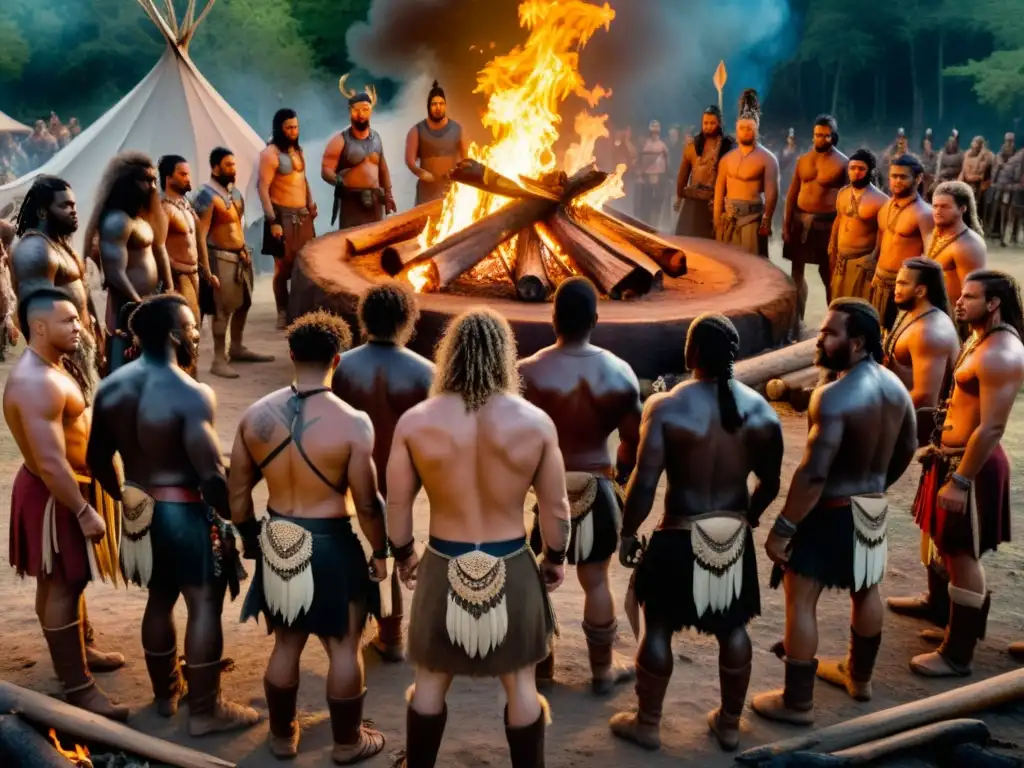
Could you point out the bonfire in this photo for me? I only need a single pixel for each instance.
(512, 215)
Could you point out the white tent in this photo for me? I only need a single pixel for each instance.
(174, 110)
(9, 125)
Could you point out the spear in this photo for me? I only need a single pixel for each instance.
(720, 77)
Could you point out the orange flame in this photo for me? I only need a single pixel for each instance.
(525, 88)
(79, 756)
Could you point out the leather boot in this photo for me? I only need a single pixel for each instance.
(97, 660)
(526, 744)
(388, 642)
(953, 658)
(423, 734)
(67, 651)
(220, 366)
(932, 606)
(854, 672)
(724, 722)
(545, 672)
(239, 353)
(283, 738)
(208, 712)
(166, 679)
(607, 670)
(795, 702)
(642, 727)
(938, 635)
(354, 739)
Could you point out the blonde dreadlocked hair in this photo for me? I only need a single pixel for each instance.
(963, 196)
(476, 358)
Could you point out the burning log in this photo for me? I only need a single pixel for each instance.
(394, 258)
(958, 702)
(631, 221)
(393, 229)
(531, 277)
(613, 275)
(21, 744)
(627, 251)
(667, 255)
(477, 175)
(80, 724)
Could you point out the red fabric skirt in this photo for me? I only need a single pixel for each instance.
(28, 505)
(952, 531)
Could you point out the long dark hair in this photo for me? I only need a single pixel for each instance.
(999, 285)
(930, 276)
(278, 139)
(716, 343)
(861, 320)
(40, 195)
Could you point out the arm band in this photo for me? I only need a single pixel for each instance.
(555, 557)
(404, 552)
(783, 527)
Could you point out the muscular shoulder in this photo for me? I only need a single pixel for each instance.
(30, 257)
(38, 390)
(1000, 359)
(770, 160)
(270, 154)
(115, 225)
(973, 249)
(753, 405)
(621, 370)
(937, 336)
(204, 199)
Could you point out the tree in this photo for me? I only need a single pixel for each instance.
(835, 39)
(998, 80)
(14, 51)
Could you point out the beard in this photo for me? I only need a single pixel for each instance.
(824, 149)
(82, 365)
(360, 125)
(182, 189)
(713, 134)
(906, 305)
(59, 227)
(187, 357)
(747, 142)
(224, 179)
(905, 193)
(861, 183)
(840, 361)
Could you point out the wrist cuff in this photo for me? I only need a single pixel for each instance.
(404, 552)
(556, 557)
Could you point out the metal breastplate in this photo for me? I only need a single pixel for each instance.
(285, 166)
(439, 143)
(357, 150)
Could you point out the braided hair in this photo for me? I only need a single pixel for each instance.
(713, 342)
(999, 285)
(40, 195)
(861, 320)
(929, 274)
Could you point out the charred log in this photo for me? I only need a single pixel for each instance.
(531, 277)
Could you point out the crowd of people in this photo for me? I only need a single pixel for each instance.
(47, 138)
(123, 476)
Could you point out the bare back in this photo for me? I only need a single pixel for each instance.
(476, 467)
(588, 393)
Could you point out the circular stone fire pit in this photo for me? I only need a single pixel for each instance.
(649, 332)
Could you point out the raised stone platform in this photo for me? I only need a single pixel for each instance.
(648, 333)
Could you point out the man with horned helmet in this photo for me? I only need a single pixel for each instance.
(811, 208)
(354, 164)
(178, 540)
(588, 393)
(288, 207)
(921, 350)
(695, 184)
(312, 577)
(747, 187)
(384, 379)
(700, 569)
(963, 500)
(64, 530)
(221, 210)
(433, 147)
(127, 237)
(831, 532)
(957, 242)
(481, 608)
(853, 250)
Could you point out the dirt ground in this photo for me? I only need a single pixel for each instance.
(579, 735)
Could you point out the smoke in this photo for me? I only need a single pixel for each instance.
(658, 56)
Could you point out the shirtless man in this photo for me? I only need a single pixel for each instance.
(288, 207)
(963, 501)
(433, 147)
(588, 393)
(853, 249)
(747, 186)
(354, 164)
(956, 242)
(811, 208)
(950, 161)
(710, 434)
(311, 573)
(64, 529)
(832, 530)
(477, 448)
(185, 249)
(177, 538)
(384, 379)
(130, 227)
(45, 258)
(221, 212)
(904, 223)
(695, 184)
(977, 172)
(921, 351)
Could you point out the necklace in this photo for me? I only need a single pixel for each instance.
(903, 322)
(890, 222)
(939, 244)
